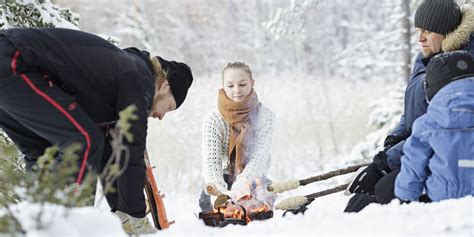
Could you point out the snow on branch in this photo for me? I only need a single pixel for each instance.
(35, 13)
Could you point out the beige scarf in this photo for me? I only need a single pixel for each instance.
(237, 115)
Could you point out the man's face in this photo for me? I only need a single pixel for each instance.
(430, 42)
(163, 101)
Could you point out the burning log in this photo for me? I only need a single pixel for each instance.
(235, 213)
(211, 218)
(257, 206)
(258, 216)
(293, 184)
(298, 202)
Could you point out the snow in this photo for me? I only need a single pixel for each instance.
(59, 221)
(324, 217)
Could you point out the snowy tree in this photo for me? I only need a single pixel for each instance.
(370, 49)
(133, 26)
(35, 13)
(385, 117)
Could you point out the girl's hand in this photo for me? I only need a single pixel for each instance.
(212, 190)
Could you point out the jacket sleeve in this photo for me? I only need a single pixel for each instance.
(394, 155)
(400, 131)
(134, 89)
(414, 170)
(212, 149)
(415, 106)
(259, 158)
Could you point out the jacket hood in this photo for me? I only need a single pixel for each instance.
(461, 35)
(452, 106)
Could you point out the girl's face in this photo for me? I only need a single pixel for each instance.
(237, 84)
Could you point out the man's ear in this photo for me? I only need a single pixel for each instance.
(164, 85)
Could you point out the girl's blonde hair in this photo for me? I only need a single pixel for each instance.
(238, 65)
(160, 73)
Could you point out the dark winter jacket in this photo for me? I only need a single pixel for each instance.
(439, 155)
(415, 95)
(103, 78)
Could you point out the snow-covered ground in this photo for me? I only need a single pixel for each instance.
(59, 221)
(324, 217)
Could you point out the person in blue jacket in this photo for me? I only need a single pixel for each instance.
(61, 86)
(443, 27)
(439, 154)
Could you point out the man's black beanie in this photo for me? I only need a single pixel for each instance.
(447, 67)
(179, 76)
(439, 16)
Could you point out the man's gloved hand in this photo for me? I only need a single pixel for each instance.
(380, 162)
(391, 140)
(364, 180)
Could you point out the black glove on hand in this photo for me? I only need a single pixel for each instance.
(380, 163)
(364, 180)
(391, 140)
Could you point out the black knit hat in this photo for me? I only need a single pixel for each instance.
(439, 16)
(179, 76)
(445, 68)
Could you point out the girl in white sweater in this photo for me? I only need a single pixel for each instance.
(236, 138)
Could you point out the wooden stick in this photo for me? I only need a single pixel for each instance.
(326, 192)
(293, 184)
(300, 201)
(331, 174)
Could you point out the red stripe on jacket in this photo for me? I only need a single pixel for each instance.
(61, 109)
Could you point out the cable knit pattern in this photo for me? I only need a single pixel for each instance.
(215, 143)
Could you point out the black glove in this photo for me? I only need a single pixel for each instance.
(391, 140)
(423, 198)
(380, 163)
(365, 180)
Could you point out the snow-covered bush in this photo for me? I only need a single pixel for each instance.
(49, 183)
(384, 117)
(35, 13)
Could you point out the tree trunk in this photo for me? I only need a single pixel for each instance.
(406, 37)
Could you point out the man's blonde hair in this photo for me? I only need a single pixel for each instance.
(160, 73)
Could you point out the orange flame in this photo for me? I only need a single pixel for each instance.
(251, 205)
(232, 210)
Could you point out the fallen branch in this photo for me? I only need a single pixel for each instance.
(300, 201)
(292, 184)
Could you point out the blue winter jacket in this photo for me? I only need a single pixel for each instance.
(439, 155)
(415, 106)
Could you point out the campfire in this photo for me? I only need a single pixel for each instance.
(258, 206)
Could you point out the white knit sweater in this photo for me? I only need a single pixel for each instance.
(215, 144)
